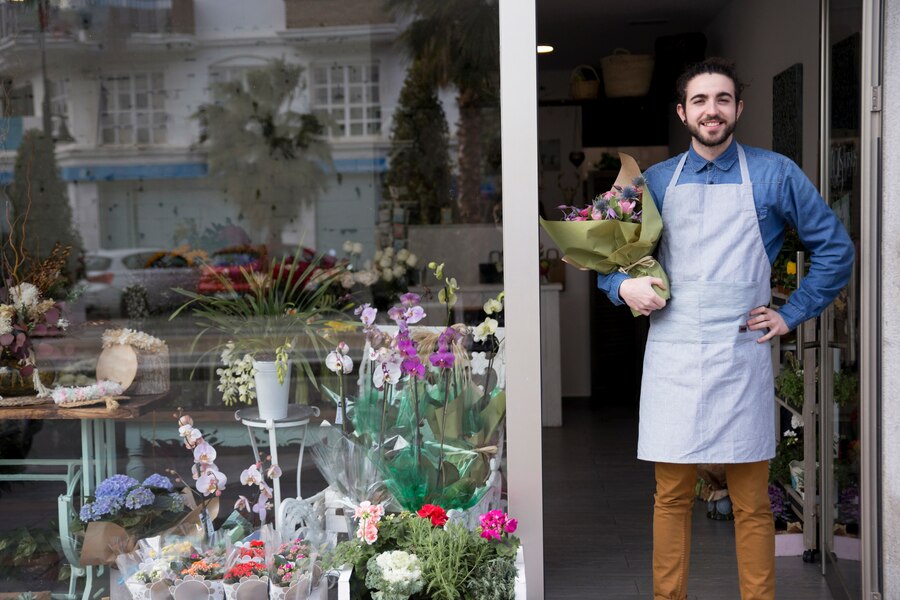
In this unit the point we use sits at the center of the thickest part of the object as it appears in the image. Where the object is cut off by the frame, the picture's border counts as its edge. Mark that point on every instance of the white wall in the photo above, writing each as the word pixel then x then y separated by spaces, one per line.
pixel 764 37
pixel 890 253
pixel 217 19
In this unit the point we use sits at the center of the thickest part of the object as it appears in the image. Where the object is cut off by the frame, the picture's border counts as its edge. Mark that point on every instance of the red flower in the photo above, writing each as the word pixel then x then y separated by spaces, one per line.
pixel 437 514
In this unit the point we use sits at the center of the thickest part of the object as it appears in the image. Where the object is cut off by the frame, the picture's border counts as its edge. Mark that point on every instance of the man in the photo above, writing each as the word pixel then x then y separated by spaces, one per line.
pixel 707 392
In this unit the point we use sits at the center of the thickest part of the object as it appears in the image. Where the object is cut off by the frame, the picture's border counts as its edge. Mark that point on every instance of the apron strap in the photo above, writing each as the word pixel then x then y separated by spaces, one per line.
pixel 678 170
pixel 745 171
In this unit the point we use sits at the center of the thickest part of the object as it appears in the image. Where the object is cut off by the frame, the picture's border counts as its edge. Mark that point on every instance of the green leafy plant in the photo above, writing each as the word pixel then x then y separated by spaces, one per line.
pixel 31 548
pixel 789 383
pixel 280 318
pixel 846 386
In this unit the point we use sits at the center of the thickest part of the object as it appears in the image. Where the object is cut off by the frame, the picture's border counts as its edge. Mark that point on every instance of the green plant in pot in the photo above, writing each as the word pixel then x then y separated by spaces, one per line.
pixel 264 331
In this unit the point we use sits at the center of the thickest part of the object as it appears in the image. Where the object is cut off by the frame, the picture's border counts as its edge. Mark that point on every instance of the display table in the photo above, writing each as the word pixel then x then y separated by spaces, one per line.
pixel 298 416
pixel 96 462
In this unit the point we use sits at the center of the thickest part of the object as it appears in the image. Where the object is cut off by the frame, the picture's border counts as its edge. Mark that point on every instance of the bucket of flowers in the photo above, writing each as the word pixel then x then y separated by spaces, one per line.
pixel 247 577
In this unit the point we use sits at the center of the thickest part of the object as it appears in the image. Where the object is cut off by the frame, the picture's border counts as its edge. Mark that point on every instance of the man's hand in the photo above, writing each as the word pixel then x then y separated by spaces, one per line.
pixel 765 318
pixel 639 295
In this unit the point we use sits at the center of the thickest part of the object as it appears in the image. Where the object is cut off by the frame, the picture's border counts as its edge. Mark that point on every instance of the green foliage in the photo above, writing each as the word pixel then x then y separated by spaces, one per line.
pixel 789 449
pixel 789 383
pixel 271 159
pixel 846 386
pixel 41 215
pixel 20 548
pixel 419 168
pixel 284 311
pixel 493 580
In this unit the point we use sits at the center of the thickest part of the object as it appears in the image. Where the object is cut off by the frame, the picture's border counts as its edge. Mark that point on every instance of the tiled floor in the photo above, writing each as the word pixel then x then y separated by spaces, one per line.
pixel 597 519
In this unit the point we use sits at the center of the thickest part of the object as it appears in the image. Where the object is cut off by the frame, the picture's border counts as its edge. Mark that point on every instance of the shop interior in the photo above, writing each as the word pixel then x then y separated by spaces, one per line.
pixel 608 87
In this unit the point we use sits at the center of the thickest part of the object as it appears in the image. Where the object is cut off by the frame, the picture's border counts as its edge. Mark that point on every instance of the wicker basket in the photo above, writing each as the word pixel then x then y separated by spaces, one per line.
pixel 580 86
pixel 626 74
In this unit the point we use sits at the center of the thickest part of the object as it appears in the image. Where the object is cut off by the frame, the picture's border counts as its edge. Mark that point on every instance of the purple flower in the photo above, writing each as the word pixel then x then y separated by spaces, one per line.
pixel 139 498
pixel 629 193
pixel 116 486
pixel 366 314
pixel 410 299
pixel 86 514
pixel 442 359
pixel 413 367
pixel 159 481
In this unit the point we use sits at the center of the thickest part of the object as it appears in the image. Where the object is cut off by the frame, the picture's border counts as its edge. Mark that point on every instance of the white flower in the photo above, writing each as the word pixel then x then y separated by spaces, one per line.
pixel 25 295
pixel 377 256
pixel 493 306
pixel 402 255
pixel 5 324
pixel 204 454
pixel 411 260
pixel 357 248
pixel 62 323
pixel 398 271
pixel 790 433
pixel 387 275
pixel 338 363
pixel 366 278
pixel 389 251
pixel 251 475
pixel 211 481
pixel 347 280
pixel 347 247
pixel 487 328
pixel 385 263
pixel 796 422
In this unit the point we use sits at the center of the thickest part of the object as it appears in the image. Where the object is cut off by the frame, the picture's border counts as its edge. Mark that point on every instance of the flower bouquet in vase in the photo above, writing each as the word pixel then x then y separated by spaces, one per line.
pixel 294 573
pixel 247 577
pixel 618 231
pixel 429 426
pixel 268 328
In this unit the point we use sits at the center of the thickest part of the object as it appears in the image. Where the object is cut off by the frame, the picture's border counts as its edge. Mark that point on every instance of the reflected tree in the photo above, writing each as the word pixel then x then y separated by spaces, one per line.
pixel 420 159
pixel 272 158
pixel 40 214
pixel 458 44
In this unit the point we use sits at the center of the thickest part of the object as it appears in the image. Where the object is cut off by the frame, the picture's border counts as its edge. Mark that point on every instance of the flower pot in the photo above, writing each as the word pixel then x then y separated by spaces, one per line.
pixel 271 396
pixel 249 588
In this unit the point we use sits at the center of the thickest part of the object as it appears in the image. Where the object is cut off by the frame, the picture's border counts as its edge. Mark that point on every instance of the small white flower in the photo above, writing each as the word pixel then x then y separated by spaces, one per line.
pixel 796 422
pixel 387 275
pixel 790 433
pixel 24 294
pixel 487 328
pixel 479 363
pixel 347 247
pixel 62 323
pixel 402 255
pixel 493 306
pixel 398 271
pixel 357 248
pixel 411 260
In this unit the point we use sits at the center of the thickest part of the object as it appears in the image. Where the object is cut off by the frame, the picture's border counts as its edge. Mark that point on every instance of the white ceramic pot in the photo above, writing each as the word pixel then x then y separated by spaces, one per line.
pixel 271 396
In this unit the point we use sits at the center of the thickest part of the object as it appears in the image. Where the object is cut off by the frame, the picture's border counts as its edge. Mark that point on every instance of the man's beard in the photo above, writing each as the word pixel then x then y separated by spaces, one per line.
pixel 698 134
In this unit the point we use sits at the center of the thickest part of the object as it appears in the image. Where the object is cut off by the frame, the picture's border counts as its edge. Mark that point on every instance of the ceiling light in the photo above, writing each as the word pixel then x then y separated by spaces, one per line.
pixel 544 49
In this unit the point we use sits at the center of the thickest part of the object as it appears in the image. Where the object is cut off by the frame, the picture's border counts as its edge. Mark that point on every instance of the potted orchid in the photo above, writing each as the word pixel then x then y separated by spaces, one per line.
pixel 268 329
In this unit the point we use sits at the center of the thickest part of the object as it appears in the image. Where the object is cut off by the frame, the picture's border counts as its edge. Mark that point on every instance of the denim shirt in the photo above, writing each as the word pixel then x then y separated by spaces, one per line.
pixel 783 196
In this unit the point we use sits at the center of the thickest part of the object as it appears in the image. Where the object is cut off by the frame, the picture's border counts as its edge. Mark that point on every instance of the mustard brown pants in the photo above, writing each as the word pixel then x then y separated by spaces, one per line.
pixel 753 525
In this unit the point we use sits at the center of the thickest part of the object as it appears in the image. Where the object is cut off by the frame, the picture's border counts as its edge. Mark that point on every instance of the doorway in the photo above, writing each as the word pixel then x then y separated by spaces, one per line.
pixel 803 100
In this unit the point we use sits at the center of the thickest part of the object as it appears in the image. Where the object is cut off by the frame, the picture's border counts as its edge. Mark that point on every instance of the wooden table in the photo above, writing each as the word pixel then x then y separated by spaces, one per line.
pixel 97 461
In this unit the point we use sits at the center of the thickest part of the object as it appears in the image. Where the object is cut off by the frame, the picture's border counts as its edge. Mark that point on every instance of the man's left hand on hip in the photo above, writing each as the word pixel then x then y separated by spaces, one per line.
pixel 767 318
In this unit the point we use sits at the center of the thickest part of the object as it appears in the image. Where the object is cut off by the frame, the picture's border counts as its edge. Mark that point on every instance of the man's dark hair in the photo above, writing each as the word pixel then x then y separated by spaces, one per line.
pixel 712 65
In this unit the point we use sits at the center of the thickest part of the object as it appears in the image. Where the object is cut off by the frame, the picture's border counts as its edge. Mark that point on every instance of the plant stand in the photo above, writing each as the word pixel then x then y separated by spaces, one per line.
pixel 298 416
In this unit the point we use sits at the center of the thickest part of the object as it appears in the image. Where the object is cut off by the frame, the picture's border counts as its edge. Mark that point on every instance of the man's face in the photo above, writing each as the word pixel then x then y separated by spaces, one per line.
pixel 710 111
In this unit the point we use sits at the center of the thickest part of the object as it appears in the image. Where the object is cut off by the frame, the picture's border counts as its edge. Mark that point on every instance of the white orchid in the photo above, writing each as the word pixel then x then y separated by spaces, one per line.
pixel 486 328
pixel 338 362
pixel 251 475
pixel 212 481
pixel 204 454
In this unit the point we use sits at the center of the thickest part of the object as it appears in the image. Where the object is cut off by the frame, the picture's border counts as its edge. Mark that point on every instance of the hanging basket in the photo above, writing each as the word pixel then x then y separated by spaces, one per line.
pixel 584 83
pixel 626 74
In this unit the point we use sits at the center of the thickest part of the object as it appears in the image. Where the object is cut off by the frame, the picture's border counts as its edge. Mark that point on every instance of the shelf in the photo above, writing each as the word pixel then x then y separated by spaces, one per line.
pixel 792 410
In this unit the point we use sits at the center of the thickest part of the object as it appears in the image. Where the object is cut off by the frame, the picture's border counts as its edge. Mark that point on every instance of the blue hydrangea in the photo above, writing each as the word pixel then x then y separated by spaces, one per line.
pixel 87 512
pixel 116 486
pixel 177 502
pixel 139 497
pixel 159 481
pixel 106 506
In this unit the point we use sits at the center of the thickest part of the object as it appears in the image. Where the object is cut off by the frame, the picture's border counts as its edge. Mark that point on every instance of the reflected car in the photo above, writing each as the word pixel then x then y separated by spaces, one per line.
pixel 228 264
pixel 158 270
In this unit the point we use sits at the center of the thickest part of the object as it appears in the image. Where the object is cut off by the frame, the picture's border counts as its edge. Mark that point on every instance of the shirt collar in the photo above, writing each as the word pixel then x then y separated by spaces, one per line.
pixel 724 161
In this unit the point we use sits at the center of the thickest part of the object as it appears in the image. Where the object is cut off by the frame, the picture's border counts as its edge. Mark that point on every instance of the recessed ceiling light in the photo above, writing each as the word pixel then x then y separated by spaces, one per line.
pixel 544 49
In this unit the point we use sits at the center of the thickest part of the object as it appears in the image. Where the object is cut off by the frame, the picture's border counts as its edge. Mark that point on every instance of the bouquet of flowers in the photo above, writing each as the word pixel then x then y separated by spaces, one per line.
pixel 427 555
pixel 294 572
pixel 124 510
pixel 27 313
pixel 247 576
pixel 618 231
pixel 432 431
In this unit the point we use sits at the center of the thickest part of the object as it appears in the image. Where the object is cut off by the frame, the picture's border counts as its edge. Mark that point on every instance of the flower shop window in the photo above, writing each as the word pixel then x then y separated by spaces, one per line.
pixel 349 97
pixel 132 109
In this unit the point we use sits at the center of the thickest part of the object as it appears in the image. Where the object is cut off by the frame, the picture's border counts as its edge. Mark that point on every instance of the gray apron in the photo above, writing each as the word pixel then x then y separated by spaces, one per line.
pixel 707 394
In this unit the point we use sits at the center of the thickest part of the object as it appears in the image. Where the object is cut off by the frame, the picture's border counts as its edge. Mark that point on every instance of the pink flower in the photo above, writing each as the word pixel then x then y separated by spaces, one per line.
pixel 627 206
pixel 368 533
pixel 204 454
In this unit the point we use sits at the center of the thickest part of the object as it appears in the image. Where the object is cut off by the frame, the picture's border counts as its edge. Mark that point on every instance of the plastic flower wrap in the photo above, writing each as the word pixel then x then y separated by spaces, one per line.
pixel 347 467
pixel 428 425
pixel 617 232
pixel 247 576
pixel 294 571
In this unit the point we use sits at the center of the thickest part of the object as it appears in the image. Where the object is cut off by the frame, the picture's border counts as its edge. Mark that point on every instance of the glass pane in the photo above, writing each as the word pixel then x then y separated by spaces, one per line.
pixel 179 202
